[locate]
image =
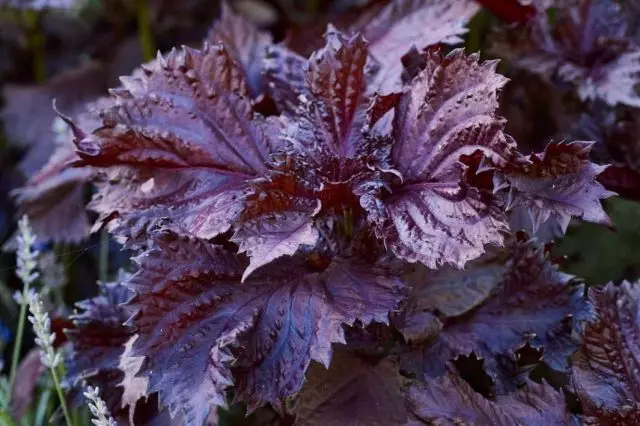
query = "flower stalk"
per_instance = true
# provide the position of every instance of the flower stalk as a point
(49, 356)
(27, 260)
(98, 408)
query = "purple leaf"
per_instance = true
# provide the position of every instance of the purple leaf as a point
(588, 45)
(246, 43)
(284, 73)
(98, 340)
(533, 302)
(23, 392)
(267, 239)
(452, 292)
(53, 198)
(614, 83)
(352, 391)
(449, 400)
(192, 305)
(406, 24)
(392, 31)
(558, 183)
(432, 215)
(330, 121)
(605, 373)
(190, 140)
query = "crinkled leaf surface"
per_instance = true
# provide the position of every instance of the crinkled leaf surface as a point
(449, 400)
(336, 81)
(246, 43)
(269, 238)
(616, 83)
(192, 308)
(284, 72)
(352, 391)
(432, 215)
(558, 183)
(605, 373)
(406, 24)
(534, 302)
(98, 340)
(328, 154)
(189, 138)
(392, 31)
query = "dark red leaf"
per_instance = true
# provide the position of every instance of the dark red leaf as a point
(329, 122)
(510, 10)
(622, 180)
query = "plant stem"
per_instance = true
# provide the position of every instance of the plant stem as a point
(36, 44)
(63, 402)
(144, 30)
(43, 407)
(103, 274)
(17, 347)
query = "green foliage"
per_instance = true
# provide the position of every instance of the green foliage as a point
(599, 254)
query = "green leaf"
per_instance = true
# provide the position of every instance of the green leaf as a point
(599, 254)
(5, 419)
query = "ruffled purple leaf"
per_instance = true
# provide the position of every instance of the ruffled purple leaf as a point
(188, 140)
(605, 372)
(558, 183)
(531, 302)
(194, 312)
(98, 340)
(449, 400)
(246, 43)
(391, 31)
(432, 215)
(406, 24)
(588, 46)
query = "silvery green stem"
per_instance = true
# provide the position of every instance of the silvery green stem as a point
(45, 339)
(26, 270)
